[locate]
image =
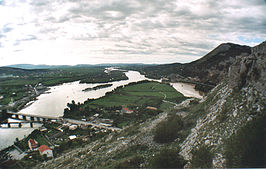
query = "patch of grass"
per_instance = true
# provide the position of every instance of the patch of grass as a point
(131, 151)
(132, 162)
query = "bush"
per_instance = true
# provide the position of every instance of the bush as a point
(167, 131)
(202, 158)
(168, 158)
(247, 147)
(133, 162)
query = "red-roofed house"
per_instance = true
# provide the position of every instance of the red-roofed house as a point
(33, 144)
(45, 150)
(126, 110)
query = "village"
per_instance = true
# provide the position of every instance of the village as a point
(58, 135)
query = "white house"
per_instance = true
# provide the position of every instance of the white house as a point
(72, 137)
(73, 127)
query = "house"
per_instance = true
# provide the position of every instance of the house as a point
(72, 137)
(42, 129)
(45, 150)
(33, 144)
(126, 110)
(151, 108)
(73, 127)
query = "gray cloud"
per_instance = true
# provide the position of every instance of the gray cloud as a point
(184, 30)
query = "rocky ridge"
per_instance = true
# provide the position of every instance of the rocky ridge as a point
(239, 99)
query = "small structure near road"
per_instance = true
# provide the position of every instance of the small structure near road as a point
(45, 150)
(151, 108)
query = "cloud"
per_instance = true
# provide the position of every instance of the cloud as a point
(103, 31)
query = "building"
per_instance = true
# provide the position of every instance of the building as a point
(45, 150)
(73, 127)
(126, 110)
(33, 144)
(151, 108)
(72, 137)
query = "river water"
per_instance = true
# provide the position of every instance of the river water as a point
(55, 101)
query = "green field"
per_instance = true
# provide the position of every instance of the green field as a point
(141, 94)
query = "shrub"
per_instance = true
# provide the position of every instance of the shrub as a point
(202, 157)
(167, 158)
(247, 147)
(167, 131)
(133, 162)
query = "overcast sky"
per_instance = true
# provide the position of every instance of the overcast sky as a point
(124, 31)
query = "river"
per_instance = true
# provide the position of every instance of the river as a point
(55, 100)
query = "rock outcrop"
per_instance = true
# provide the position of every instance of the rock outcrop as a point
(249, 69)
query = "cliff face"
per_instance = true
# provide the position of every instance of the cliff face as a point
(231, 105)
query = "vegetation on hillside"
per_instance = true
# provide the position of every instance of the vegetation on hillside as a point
(202, 157)
(168, 158)
(246, 148)
(168, 130)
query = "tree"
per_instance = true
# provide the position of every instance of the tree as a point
(202, 157)
(17, 139)
(168, 158)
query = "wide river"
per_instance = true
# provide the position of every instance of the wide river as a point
(55, 101)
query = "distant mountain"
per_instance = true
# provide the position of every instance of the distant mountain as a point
(31, 66)
(19, 71)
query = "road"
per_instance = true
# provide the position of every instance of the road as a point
(87, 123)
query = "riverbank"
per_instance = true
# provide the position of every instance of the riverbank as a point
(187, 89)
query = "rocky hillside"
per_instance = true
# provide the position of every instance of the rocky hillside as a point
(231, 108)
(225, 129)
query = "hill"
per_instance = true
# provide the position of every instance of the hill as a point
(209, 69)
(18, 71)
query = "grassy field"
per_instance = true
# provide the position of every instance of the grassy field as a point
(141, 94)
